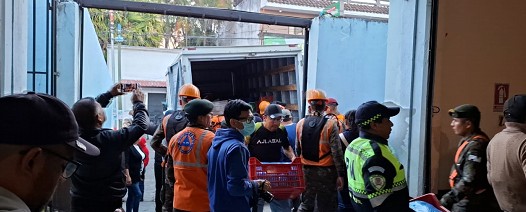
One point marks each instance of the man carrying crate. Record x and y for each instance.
(229, 188)
(266, 143)
(318, 145)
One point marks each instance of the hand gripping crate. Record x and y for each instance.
(286, 179)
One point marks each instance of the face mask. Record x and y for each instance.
(248, 129)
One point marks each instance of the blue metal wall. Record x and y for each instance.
(96, 76)
(347, 59)
(39, 47)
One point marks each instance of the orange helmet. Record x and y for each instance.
(316, 94)
(190, 91)
(262, 106)
(216, 122)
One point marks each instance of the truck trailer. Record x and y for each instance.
(250, 73)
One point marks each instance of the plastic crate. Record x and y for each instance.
(286, 179)
(431, 199)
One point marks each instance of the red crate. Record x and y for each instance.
(286, 179)
(431, 199)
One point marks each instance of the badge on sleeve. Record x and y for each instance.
(378, 181)
(474, 158)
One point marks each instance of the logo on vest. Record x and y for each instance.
(186, 142)
(179, 117)
(378, 181)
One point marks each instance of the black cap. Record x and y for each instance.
(257, 119)
(40, 119)
(198, 107)
(465, 111)
(273, 111)
(286, 114)
(515, 109)
(371, 111)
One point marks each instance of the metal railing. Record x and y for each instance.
(370, 2)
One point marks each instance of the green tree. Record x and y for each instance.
(151, 30)
(183, 31)
(138, 29)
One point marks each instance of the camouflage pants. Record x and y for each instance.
(320, 189)
(168, 202)
(168, 187)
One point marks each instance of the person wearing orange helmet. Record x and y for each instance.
(216, 122)
(170, 126)
(318, 145)
(262, 106)
(332, 111)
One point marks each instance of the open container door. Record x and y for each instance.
(175, 80)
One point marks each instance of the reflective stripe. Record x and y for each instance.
(197, 153)
(399, 186)
(376, 168)
(359, 195)
(377, 201)
(198, 150)
(165, 122)
(180, 163)
(356, 152)
(344, 140)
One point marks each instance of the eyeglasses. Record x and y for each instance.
(69, 169)
(71, 166)
(247, 120)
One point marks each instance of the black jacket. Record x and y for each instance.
(101, 178)
(134, 163)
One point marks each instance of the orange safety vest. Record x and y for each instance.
(325, 148)
(164, 123)
(454, 172)
(188, 149)
(340, 117)
(340, 123)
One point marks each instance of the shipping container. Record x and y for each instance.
(250, 73)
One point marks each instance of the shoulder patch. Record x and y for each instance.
(376, 169)
(474, 158)
(377, 181)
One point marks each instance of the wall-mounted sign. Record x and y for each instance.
(501, 94)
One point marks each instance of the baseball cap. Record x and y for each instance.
(515, 109)
(40, 119)
(465, 111)
(273, 111)
(332, 102)
(286, 114)
(371, 111)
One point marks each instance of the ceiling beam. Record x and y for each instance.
(196, 12)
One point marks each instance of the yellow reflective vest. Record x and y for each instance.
(376, 178)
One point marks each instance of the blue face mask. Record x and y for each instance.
(248, 129)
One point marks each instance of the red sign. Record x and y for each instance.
(500, 95)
